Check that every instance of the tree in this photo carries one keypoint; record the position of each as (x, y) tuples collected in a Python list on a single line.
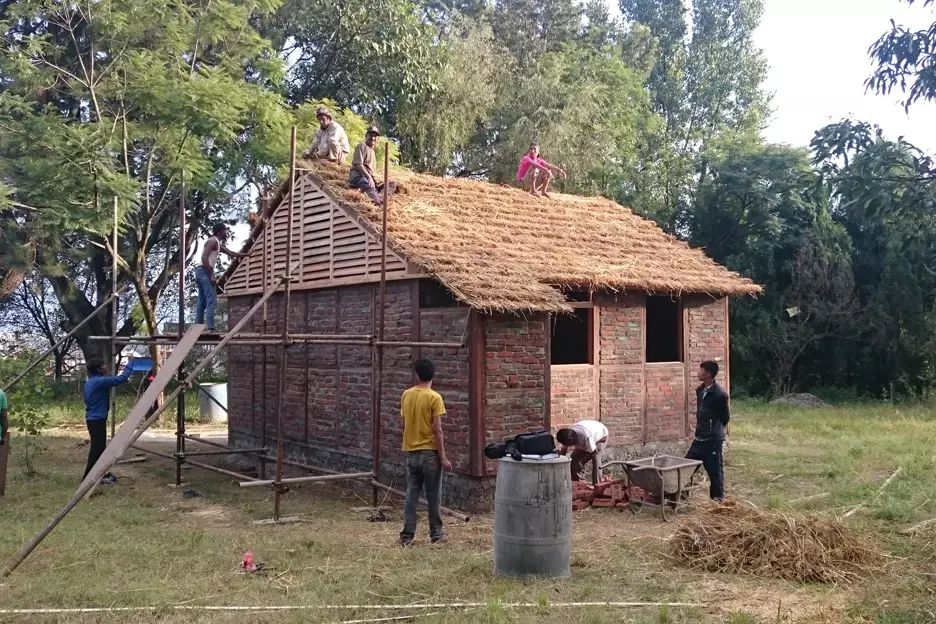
[(531, 28), (905, 59), (33, 312), (705, 84), (883, 197), (120, 99), (369, 55), (762, 211), (470, 78)]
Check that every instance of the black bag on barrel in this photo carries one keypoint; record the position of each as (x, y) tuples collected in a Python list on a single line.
[(538, 443), (496, 451)]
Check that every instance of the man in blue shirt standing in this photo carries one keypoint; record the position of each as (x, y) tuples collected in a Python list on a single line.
[(97, 405)]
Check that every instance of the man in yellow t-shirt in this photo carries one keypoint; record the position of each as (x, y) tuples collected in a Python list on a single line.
[(422, 408)]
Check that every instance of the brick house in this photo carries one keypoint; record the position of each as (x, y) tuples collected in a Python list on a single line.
[(568, 308)]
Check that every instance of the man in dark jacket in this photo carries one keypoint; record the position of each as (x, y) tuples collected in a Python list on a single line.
[(711, 420)]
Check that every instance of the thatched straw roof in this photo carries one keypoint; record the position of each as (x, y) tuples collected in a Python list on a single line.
[(500, 249)]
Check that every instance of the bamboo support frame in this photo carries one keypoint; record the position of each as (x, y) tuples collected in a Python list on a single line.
[(180, 375), (283, 341), (296, 480), (208, 467), (422, 501), (112, 395), (224, 452)]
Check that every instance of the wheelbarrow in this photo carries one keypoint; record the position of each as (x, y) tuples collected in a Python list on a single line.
[(666, 480)]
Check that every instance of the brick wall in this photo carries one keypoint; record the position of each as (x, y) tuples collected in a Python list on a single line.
[(707, 334), (516, 372), (328, 388), (572, 391), (620, 360), (666, 401)]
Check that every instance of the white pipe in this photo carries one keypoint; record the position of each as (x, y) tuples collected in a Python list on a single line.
[(371, 607)]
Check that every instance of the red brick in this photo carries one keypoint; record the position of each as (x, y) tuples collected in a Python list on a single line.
[(603, 502), (580, 505)]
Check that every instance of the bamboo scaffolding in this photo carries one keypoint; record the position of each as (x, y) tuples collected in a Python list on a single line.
[(422, 501), (296, 480), (224, 452), (280, 405), (283, 341), (180, 405), (208, 467)]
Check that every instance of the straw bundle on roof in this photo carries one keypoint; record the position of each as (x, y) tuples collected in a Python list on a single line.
[(741, 539), (501, 249)]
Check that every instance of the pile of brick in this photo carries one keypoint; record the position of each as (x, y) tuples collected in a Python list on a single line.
[(605, 494)]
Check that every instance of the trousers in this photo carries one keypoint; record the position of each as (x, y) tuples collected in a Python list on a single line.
[(709, 452), (423, 471), (97, 429)]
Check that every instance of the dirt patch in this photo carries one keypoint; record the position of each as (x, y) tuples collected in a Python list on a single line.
[(764, 599)]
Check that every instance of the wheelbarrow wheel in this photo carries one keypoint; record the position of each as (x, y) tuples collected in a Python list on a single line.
[(634, 506)]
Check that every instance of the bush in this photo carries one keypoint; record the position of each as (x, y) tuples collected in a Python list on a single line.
[(29, 419)]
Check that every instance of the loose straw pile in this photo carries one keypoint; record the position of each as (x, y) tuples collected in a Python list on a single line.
[(797, 547)]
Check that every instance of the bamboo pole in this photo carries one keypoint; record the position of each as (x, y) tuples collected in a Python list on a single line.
[(281, 398), (112, 395), (317, 479), (208, 467), (422, 501), (378, 346), (180, 404)]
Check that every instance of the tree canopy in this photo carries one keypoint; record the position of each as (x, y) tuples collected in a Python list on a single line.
[(660, 109)]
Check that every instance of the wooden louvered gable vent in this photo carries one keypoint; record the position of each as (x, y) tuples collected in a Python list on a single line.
[(332, 247)]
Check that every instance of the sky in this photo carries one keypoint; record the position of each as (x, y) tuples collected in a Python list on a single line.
[(818, 56)]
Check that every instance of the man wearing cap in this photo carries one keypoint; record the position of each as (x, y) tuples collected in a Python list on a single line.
[(363, 164), (331, 140), (204, 275)]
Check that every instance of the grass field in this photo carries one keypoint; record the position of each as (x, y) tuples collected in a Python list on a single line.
[(143, 544)]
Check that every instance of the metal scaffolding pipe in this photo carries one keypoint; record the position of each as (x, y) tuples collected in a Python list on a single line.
[(319, 479), (247, 335), (204, 441), (295, 464), (112, 394), (417, 344)]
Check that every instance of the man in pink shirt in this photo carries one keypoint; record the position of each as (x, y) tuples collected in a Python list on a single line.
[(535, 174)]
